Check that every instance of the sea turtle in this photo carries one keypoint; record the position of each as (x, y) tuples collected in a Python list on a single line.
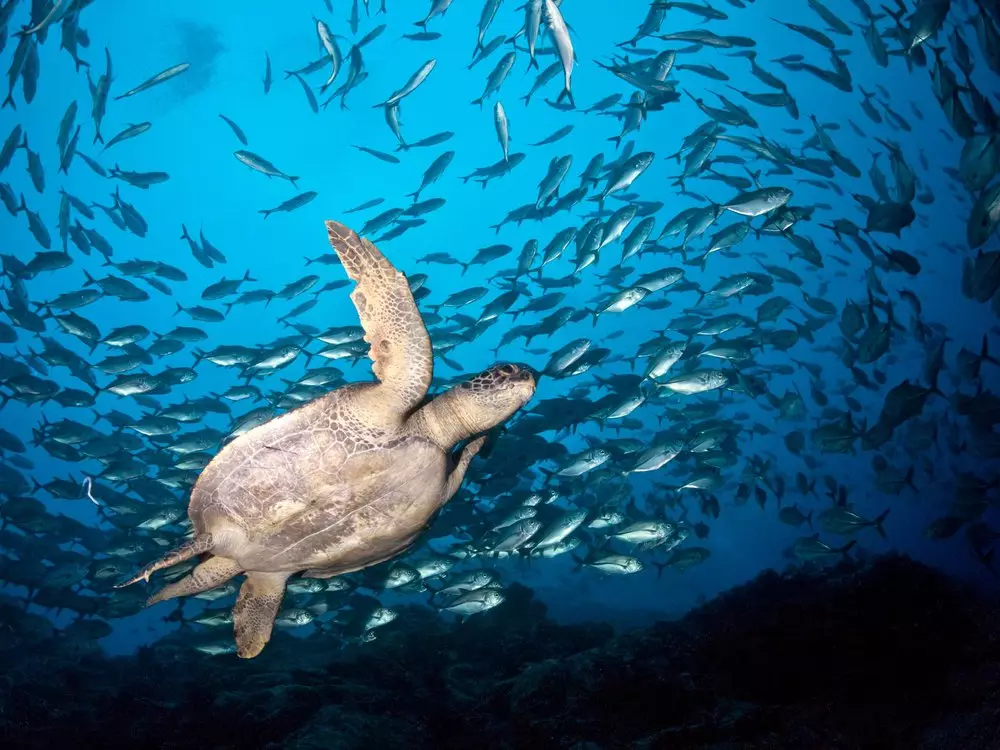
[(348, 480)]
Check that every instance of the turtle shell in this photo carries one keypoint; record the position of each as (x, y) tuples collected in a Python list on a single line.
[(317, 488)]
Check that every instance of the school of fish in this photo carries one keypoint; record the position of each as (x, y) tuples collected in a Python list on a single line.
[(757, 378)]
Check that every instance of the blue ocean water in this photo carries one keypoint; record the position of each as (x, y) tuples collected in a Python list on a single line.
[(210, 191)]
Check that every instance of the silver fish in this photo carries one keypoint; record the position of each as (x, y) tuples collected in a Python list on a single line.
[(164, 75), (411, 85), (502, 127)]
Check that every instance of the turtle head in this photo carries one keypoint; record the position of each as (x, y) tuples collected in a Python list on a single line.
[(477, 405), (494, 395)]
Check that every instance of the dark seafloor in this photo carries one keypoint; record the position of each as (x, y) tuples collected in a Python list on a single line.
[(888, 654)]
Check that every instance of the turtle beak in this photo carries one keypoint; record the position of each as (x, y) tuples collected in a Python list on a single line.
[(527, 376), (524, 374), (523, 371)]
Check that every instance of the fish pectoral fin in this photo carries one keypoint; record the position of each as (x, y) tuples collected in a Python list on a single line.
[(255, 610)]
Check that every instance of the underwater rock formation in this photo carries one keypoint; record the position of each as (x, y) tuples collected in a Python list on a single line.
[(892, 654)]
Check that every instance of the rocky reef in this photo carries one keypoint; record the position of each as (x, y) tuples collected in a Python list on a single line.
[(888, 655)]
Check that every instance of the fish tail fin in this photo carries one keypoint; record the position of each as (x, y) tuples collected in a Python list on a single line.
[(847, 548), (984, 352), (566, 94), (659, 569), (895, 15), (267, 212), (881, 519), (9, 100), (179, 308), (909, 479), (478, 101)]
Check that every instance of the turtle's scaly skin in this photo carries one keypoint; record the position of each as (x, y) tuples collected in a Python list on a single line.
[(348, 480)]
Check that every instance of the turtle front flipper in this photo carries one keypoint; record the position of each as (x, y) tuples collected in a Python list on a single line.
[(197, 546), (255, 610), (399, 346), (457, 474), (215, 571)]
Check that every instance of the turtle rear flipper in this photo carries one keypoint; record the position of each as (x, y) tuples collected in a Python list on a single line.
[(197, 546), (255, 610), (211, 573)]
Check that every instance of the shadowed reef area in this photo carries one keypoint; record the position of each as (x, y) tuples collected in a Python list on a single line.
[(889, 655)]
